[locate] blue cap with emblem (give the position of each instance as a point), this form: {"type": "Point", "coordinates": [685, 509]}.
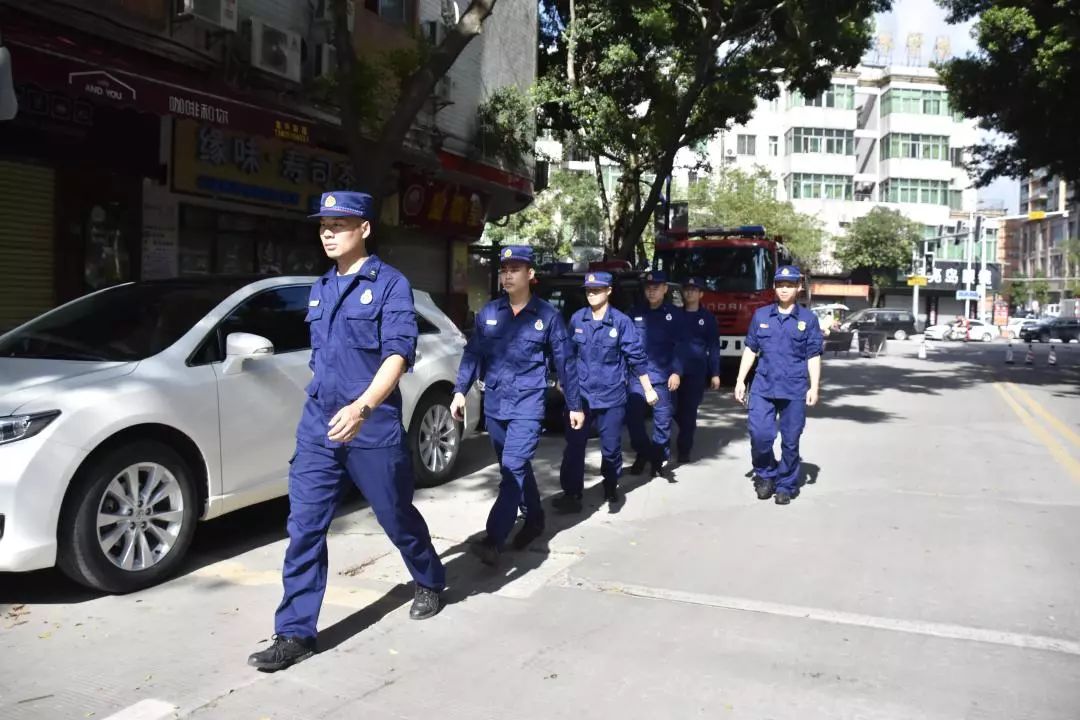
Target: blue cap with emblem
{"type": "Point", "coordinates": [597, 280]}
{"type": "Point", "coordinates": [345, 203]}
{"type": "Point", "coordinates": [787, 272]}
{"type": "Point", "coordinates": [656, 277]}
{"type": "Point", "coordinates": [694, 282]}
{"type": "Point", "coordinates": [518, 253]}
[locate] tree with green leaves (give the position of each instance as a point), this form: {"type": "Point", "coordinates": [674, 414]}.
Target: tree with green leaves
{"type": "Point", "coordinates": [1021, 82]}
{"type": "Point", "coordinates": [1039, 289]}
{"type": "Point", "coordinates": [879, 244]}
{"type": "Point", "coordinates": [635, 81]}
{"type": "Point", "coordinates": [377, 113]}
{"type": "Point", "coordinates": [1015, 290]}
{"type": "Point", "coordinates": [565, 214]}
{"type": "Point", "coordinates": [735, 197]}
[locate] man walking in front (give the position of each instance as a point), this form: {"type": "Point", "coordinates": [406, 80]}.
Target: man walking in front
{"type": "Point", "coordinates": [363, 338]}
{"type": "Point", "coordinates": [786, 340]}
{"type": "Point", "coordinates": [508, 351]}
{"type": "Point", "coordinates": [607, 351]}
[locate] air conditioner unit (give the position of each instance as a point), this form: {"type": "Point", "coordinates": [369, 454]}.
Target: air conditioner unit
{"type": "Point", "coordinates": [221, 13]}
{"type": "Point", "coordinates": [274, 50]}
{"type": "Point", "coordinates": [729, 152]}
{"type": "Point", "coordinates": [325, 60]}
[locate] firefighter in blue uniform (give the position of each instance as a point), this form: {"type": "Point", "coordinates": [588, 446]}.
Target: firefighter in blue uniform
{"type": "Point", "coordinates": [661, 327]}
{"type": "Point", "coordinates": [363, 338]}
{"type": "Point", "coordinates": [786, 340]}
{"type": "Point", "coordinates": [701, 364]}
{"type": "Point", "coordinates": [508, 352]}
{"type": "Point", "coordinates": [607, 351]}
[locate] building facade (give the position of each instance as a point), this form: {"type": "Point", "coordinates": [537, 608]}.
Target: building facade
{"type": "Point", "coordinates": [1044, 237]}
{"type": "Point", "coordinates": [159, 139]}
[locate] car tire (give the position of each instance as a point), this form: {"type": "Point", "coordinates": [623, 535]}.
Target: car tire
{"type": "Point", "coordinates": [434, 439]}
{"type": "Point", "coordinates": [153, 548]}
{"type": "Point", "coordinates": [900, 335]}
{"type": "Point", "coordinates": [1044, 338]}
{"type": "Point", "coordinates": [987, 337]}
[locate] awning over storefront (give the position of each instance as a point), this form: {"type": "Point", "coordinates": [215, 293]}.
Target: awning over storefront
{"type": "Point", "coordinates": [58, 61]}
{"type": "Point", "coordinates": [839, 290]}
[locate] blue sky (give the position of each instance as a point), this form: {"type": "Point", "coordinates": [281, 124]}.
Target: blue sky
{"type": "Point", "coordinates": [924, 16]}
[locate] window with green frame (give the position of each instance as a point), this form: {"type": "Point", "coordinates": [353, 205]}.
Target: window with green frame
{"type": "Point", "coordinates": [919, 147]}
{"type": "Point", "coordinates": [807, 186]}
{"type": "Point", "coordinates": [915, 102]}
{"type": "Point", "coordinates": [917, 191]}
{"type": "Point", "coordinates": [841, 97]}
{"type": "Point", "coordinates": [830, 141]}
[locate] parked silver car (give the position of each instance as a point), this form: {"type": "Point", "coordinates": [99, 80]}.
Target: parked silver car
{"type": "Point", "coordinates": [129, 414]}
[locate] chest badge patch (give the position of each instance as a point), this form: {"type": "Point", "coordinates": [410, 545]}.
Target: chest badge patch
{"type": "Point", "coordinates": [492, 321]}
{"type": "Point", "coordinates": [638, 319]}
{"type": "Point", "coordinates": [801, 325]}
{"type": "Point", "coordinates": [313, 303]}
{"type": "Point", "coordinates": [578, 330]}
{"type": "Point", "coordinates": [668, 317]}
{"type": "Point", "coordinates": [366, 298]}
{"type": "Point", "coordinates": [763, 325]}
{"type": "Point", "coordinates": [701, 322]}
{"type": "Point", "coordinates": [539, 325]}
{"type": "Point", "coordinates": [614, 333]}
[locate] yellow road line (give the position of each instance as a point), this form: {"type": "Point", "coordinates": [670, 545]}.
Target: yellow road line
{"type": "Point", "coordinates": [1051, 443]}
{"type": "Point", "coordinates": [1044, 414]}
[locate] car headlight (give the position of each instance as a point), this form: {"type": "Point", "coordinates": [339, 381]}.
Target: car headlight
{"type": "Point", "coordinates": [20, 427]}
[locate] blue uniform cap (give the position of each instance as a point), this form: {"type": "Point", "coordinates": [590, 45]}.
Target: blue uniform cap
{"type": "Point", "coordinates": [597, 280]}
{"type": "Point", "coordinates": [656, 277]}
{"type": "Point", "coordinates": [520, 253]}
{"type": "Point", "coordinates": [787, 272]}
{"type": "Point", "coordinates": [694, 282]}
{"type": "Point", "coordinates": [344, 203]}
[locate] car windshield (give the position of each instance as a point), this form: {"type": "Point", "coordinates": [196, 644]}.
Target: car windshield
{"type": "Point", "coordinates": [124, 323]}
{"type": "Point", "coordinates": [740, 268]}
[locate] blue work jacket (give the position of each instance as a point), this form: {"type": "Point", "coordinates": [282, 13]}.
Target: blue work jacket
{"type": "Point", "coordinates": [662, 333]}
{"type": "Point", "coordinates": [784, 344]}
{"type": "Point", "coordinates": [608, 352]}
{"type": "Point", "coordinates": [701, 349]}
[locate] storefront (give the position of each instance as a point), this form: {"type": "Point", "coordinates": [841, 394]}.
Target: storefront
{"type": "Point", "coordinates": [937, 299]}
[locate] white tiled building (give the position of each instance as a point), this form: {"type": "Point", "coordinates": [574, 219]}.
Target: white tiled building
{"type": "Point", "coordinates": [878, 136]}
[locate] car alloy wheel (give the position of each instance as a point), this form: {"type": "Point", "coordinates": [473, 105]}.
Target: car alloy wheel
{"type": "Point", "coordinates": [438, 439]}
{"type": "Point", "coordinates": [140, 516]}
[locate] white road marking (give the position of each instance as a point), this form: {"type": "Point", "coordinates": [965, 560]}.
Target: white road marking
{"type": "Point", "coordinates": [146, 710]}
{"type": "Point", "coordinates": [917, 627]}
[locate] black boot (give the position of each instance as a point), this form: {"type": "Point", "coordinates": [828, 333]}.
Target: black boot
{"type": "Point", "coordinates": [426, 603]}
{"type": "Point", "coordinates": [284, 652]}
{"type": "Point", "coordinates": [567, 504]}
{"type": "Point", "coordinates": [528, 533]}
{"type": "Point", "coordinates": [783, 497]}
{"type": "Point", "coordinates": [639, 465]}
{"type": "Point", "coordinates": [764, 488]}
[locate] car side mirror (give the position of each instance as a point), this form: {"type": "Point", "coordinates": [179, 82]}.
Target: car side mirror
{"type": "Point", "coordinates": [244, 346]}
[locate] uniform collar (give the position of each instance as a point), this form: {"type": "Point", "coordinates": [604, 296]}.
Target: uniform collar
{"type": "Point", "coordinates": [608, 320]}
{"type": "Point", "coordinates": [774, 310]}
{"type": "Point", "coordinates": [531, 306]}
{"type": "Point", "coordinates": [369, 270]}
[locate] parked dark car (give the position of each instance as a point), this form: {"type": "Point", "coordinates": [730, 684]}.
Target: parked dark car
{"type": "Point", "coordinates": [564, 291]}
{"type": "Point", "coordinates": [895, 323]}
{"type": "Point", "coordinates": [1065, 329]}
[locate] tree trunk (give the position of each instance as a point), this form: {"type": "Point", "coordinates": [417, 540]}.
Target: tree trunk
{"type": "Point", "coordinates": [605, 204]}
{"type": "Point", "coordinates": [372, 165]}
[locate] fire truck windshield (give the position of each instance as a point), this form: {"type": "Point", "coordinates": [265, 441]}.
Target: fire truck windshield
{"type": "Point", "coordinates": [734, 268]}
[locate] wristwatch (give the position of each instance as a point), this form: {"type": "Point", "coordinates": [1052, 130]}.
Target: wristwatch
{"type": "Point", "coordinates": [365, 412]}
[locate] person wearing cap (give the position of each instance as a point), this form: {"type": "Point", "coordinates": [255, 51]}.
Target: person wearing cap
{"type": "Point", "coordinates": [661, 327]}
{"type": "Point", "coordinates": [701, 364]}
{"type": "Point", "coordinates": [786, 341]}
{"type": "Point", "coordinates": [508, 353]}
{"type": "Point", "coordinates": [363, 338]}
{"type": "Point", "coordinates": [607, 351]}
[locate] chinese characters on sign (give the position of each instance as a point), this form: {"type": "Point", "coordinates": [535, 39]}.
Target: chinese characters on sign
{"type": "Point", "coordinates": [198, 110]}
{"type": "Point", "coordinates": [947, 274]}
{"type": "Point", "coordinates": [293, 132]}
{"type": "Point", "coordinates": [442, 206]}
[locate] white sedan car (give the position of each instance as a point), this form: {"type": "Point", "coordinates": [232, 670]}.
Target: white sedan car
{"type": "Point", "coordinates": [129, 414]}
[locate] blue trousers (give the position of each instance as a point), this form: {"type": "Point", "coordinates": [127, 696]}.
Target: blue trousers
{"type": "Point", "coordinates": [318, 478]}
{"type": "Point", "coordinates": [762, 421]}
{"type": "Point", "coordinates": [688, 400]}
{"type": "Point", "coordinates": [658, 449]}
{"type": "Point", "coordinates": [515, 444]}
{"type": "Point", "coordinates": [609, 423]}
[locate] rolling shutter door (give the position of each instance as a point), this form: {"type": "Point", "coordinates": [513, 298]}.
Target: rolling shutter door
{"type": "Point", "coordinates": [423, 259]}
{"type": "Point", "coordinates": [26, 242]}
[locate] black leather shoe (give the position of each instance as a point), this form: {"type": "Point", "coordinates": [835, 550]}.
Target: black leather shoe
{"type": "Point", "coordinates": [566, 504]}
{"type": "Point", "coordinates": [528, 533]}
{"type": "Point", "coordinates": [613, 497]}
{"type": "Point", "coordinates": [486, 551]}
{"type": "Point", "coordinates": [284, 652]}
{"type": "Point", "coordinates": [684, 458]}
{"type": "Point", "coordinates": [764, 488]}
{"type": "Point", "coordinates": [426, 603]}
{"type": "Point", "coordinates": [639, 465]}
{"type": "Point", "coordinates": [782, 498]}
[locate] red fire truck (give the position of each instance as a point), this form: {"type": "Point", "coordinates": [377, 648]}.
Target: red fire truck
{"type": "Point", "coordinates": [737, 266]}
